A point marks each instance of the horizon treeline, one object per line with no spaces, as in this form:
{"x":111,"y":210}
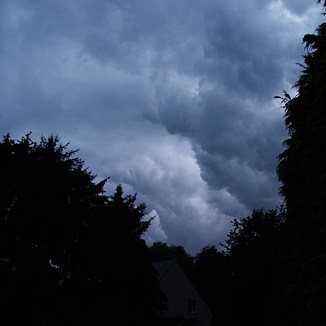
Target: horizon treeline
{"x":72,"y":255}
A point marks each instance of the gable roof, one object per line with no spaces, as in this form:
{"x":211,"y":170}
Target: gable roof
{"x":162,"y":267}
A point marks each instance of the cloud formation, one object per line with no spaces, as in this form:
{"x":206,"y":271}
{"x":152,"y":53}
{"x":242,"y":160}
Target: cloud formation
{"x":172,"y":99}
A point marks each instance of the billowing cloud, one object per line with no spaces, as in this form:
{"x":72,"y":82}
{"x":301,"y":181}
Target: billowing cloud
{"x":172,"y":99}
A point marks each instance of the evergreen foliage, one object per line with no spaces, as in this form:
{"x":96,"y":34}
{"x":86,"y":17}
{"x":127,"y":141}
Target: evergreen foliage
{"x":302,"y":171}
{"x":69,"y":254}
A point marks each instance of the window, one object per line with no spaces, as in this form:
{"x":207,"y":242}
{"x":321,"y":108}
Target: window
{"x":192,"y":306}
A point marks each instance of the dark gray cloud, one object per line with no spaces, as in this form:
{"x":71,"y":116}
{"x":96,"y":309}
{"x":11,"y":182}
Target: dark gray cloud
{"x":173,"y":99}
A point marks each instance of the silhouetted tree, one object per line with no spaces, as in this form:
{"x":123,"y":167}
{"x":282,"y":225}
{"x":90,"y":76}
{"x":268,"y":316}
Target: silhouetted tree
{"x":69,"y":254}
{"x":44,"y":197}
{"x":252,"y":248}
{"x":302,"y":171}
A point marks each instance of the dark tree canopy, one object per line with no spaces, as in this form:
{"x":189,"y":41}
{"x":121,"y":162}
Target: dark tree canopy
{"x":302,"y":164}
{"x":252,"y":249}
{"x":69,"y":254}
{"x":302,"y":172}
{"x":253,"y":235}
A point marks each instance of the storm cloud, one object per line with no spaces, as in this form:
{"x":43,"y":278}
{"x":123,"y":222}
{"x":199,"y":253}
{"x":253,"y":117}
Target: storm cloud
{"x":171,"y":99}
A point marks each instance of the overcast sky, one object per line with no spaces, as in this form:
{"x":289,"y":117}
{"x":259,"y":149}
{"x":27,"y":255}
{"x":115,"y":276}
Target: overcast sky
{"x":173,"y":99}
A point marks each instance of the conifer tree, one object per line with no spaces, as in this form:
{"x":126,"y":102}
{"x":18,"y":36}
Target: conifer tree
{"x":69,"y":254}
{"x":302,"y":172}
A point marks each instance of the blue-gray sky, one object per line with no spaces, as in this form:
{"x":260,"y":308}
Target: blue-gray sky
{"x":171,"y":98}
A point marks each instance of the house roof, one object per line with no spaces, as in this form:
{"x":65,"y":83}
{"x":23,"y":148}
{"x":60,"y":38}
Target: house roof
{"x":162,"y":267}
